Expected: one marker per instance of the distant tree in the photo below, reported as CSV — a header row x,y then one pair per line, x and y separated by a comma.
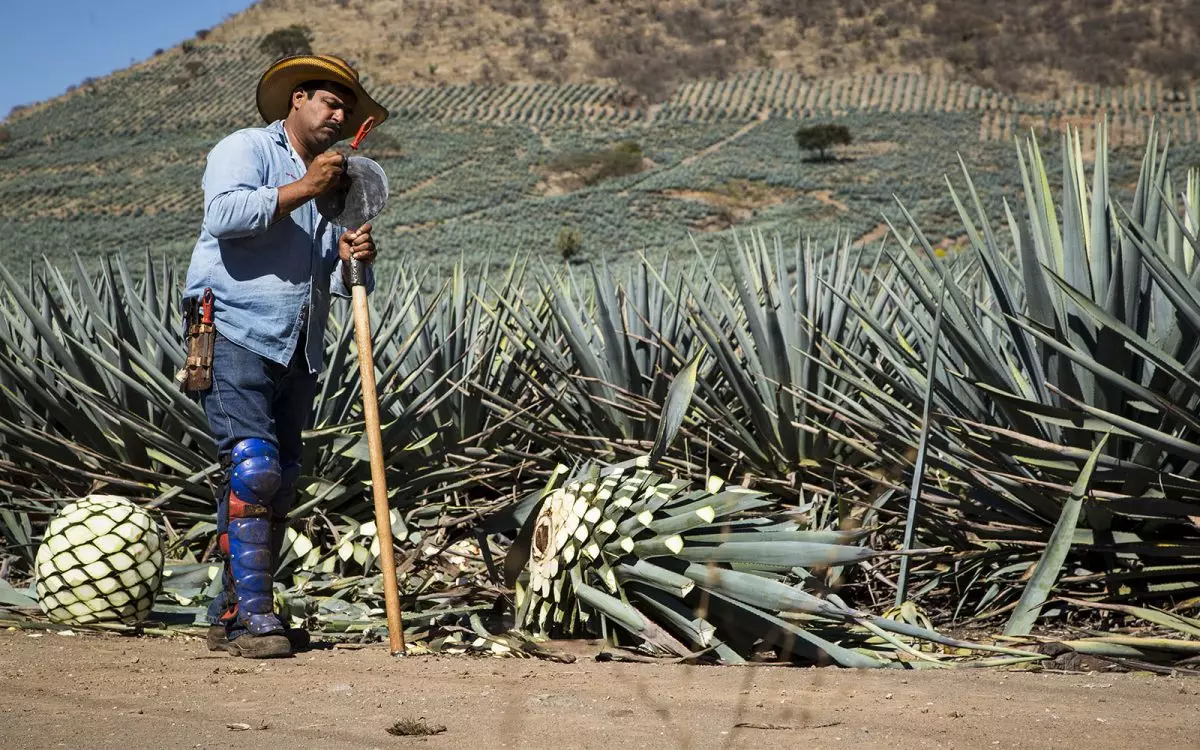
x,y
5,135
292,40
821,138
202,34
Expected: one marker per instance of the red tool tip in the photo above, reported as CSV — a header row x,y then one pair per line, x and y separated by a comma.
x,y
362,132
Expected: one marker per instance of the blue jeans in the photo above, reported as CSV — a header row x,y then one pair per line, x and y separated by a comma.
x,y
253,397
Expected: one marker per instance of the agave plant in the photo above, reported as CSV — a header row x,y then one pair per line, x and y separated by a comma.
x,y
1078,332
88,367
627,553
769,336
87,363
601,357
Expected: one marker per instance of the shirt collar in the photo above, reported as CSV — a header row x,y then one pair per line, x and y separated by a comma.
x,y
276,129
281,137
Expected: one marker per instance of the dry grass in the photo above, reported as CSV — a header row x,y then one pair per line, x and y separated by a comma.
x,y
415,728
572,171
737,195
733,202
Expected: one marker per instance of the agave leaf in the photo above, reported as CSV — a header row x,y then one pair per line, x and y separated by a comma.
x,y
679,398
1048,567
1156,616
791,638
1132,647
918,479
683,620
11,597
780,556
668,580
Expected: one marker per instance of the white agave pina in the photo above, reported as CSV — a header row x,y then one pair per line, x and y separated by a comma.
x,y
627,553
100,561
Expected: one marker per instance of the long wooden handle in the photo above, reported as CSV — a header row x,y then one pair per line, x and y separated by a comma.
x,y
383,518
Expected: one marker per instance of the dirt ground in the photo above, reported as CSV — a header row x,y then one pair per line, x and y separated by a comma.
x,y
89,691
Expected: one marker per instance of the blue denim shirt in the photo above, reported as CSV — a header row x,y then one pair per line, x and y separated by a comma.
x,y
270,281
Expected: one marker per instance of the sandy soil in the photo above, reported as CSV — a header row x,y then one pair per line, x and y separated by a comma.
x,y
114,692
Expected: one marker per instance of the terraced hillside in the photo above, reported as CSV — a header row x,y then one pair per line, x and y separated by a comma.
x,y
1018,46
116,166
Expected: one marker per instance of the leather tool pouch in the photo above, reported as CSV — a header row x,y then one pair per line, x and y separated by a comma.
x,y
199,336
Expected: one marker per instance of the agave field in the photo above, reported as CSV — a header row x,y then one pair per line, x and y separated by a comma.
x,y
841,451
115,166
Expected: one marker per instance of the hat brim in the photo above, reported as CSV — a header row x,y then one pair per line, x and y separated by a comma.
x,y
274,95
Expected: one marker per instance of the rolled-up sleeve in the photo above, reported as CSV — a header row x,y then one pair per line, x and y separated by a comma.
x,y
337,285
237,200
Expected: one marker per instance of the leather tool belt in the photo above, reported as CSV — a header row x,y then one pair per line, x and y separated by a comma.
x,y
199,336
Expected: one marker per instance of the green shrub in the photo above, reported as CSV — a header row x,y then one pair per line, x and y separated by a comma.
x,y
821,138
595,166
568,243
291,40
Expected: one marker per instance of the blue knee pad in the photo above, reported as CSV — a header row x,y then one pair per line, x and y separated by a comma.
x,y
254,485
256,471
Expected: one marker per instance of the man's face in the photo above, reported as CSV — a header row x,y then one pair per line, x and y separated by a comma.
x,y
323,114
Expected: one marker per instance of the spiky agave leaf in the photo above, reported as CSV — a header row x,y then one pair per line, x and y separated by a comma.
x,y
770,339
1079,323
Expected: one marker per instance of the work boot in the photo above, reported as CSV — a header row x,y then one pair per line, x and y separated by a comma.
x,y
218,640
270,646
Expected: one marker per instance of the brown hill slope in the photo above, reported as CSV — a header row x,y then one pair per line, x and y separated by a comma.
x,y
1031,47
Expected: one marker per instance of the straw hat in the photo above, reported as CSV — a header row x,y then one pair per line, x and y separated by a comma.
x,y
274,96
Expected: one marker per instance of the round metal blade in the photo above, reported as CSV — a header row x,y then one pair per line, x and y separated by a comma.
x,y
363,199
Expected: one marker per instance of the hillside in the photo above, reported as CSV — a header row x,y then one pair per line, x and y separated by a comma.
x,y
1027,47
483,170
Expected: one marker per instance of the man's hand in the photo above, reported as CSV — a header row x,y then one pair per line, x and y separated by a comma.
x,y
325,172
358,245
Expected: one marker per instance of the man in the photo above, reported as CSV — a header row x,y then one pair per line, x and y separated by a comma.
x,y
271,261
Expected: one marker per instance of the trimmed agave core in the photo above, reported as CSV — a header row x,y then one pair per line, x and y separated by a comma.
x,y
101,560
591,531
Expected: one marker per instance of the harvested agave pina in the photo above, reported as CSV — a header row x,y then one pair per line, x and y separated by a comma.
x,y
101,560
